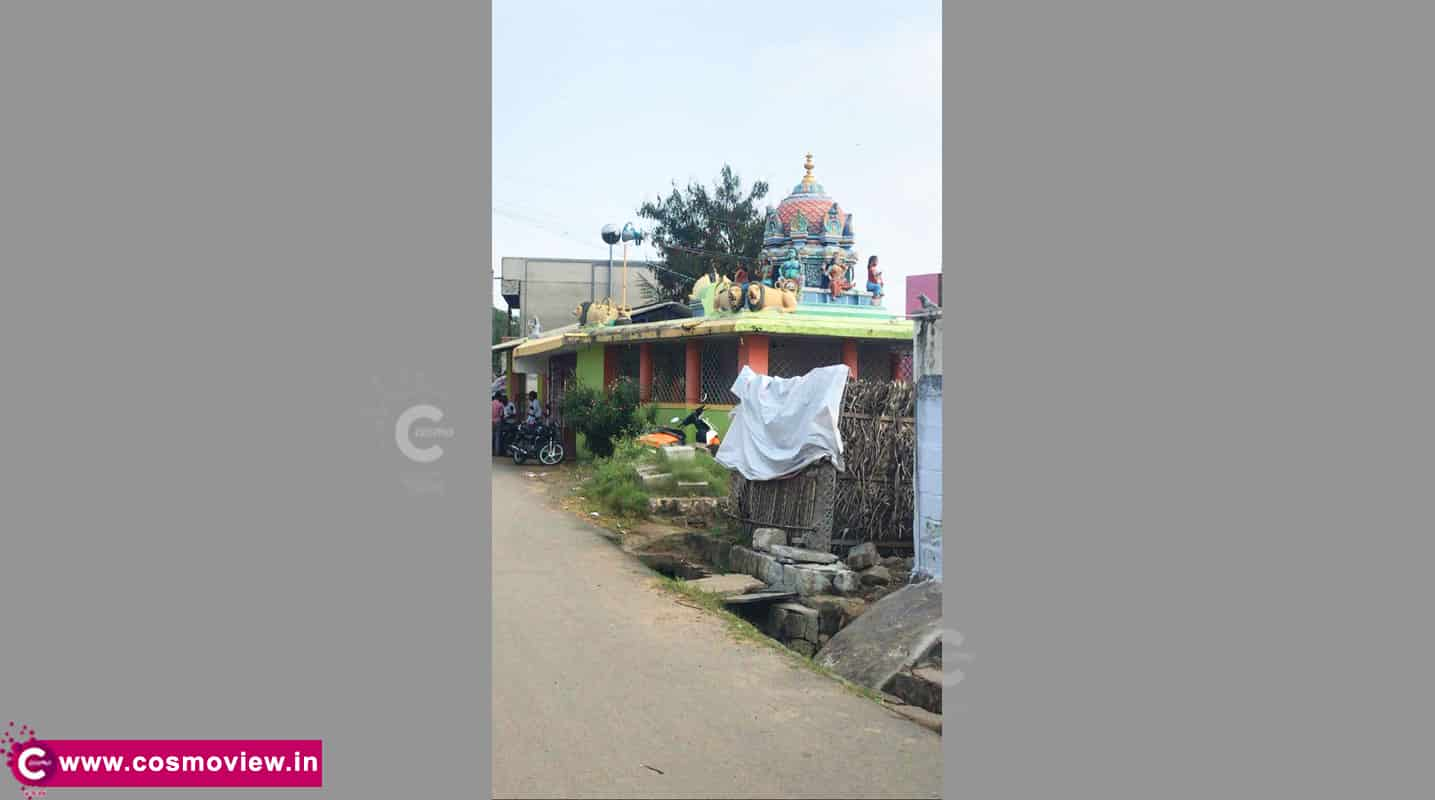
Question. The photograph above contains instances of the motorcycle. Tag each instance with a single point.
(539, 440)
(706, 436)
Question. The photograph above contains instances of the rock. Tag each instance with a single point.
(889, 637)
(802, 646)
(651, 479)
(918, 688)
(802, 555)
(764, 538)
(893, 562)
(810, 582)
(822, 639)
(771, 572)
(909, 563)
(799, 621)
(829, 619)
(726, 585)
(876, 576)
(833, 612)
(683, 506)
(776, 620)
(862, 556)
(847, 582)
(737, 559)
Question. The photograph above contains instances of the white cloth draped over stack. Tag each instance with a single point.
(782, 425)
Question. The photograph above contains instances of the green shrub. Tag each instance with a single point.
(614, 482)
(602, 416)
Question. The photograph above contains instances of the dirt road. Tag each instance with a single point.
(605, 686)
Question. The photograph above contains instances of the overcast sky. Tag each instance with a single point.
(600, 106)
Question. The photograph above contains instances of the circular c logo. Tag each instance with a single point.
(403, 433)
(35, 764)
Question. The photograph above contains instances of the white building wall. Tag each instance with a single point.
(927, 377)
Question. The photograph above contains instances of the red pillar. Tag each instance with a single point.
(752, 352)
(645, 372)
(849, 356)
(610, 366)
(693, 385)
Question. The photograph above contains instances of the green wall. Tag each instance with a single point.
(590, 372)
(590, 366)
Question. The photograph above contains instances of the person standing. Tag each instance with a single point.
(497, 420)
(874, 279)
(535, 413)
(507, 424)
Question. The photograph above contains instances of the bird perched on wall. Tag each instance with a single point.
(927, 301)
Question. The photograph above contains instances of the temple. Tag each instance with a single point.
(809, 234)
(783, 318)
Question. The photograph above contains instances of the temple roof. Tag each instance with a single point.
(809, 199)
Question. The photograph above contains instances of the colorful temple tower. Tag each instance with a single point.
(805, 237)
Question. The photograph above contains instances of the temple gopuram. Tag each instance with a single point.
(784, 317)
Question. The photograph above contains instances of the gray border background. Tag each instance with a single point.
(1188, 310)
(1188, 456)
(239, 238)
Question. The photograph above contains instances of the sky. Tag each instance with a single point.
(598, 107)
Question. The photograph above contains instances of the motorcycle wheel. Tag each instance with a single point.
(518, 457)
(551, 453)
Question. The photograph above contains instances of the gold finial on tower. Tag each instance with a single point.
(808, 180)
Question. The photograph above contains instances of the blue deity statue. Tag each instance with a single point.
(792, 266)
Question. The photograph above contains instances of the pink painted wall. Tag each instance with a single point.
(929, 285)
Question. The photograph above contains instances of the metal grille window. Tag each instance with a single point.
(669, 373)
(628, 357)
(789, 357)
(903, 367)
(874, 361)
(719, 370)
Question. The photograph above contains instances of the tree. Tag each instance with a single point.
(697, 228)
(602, 416)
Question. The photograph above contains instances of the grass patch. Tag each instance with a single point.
(613, 482)
(743, 630)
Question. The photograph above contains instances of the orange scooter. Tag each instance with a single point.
(662, 437)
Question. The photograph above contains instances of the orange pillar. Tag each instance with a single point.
(693, 385)
(752, 352)
(645, 372)
(849, 355)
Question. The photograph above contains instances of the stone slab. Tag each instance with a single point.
(729, 584)
(802, 555)
(757, 597)
(889, 636)
(680, 452)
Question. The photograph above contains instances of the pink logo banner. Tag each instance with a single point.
(167, 763)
